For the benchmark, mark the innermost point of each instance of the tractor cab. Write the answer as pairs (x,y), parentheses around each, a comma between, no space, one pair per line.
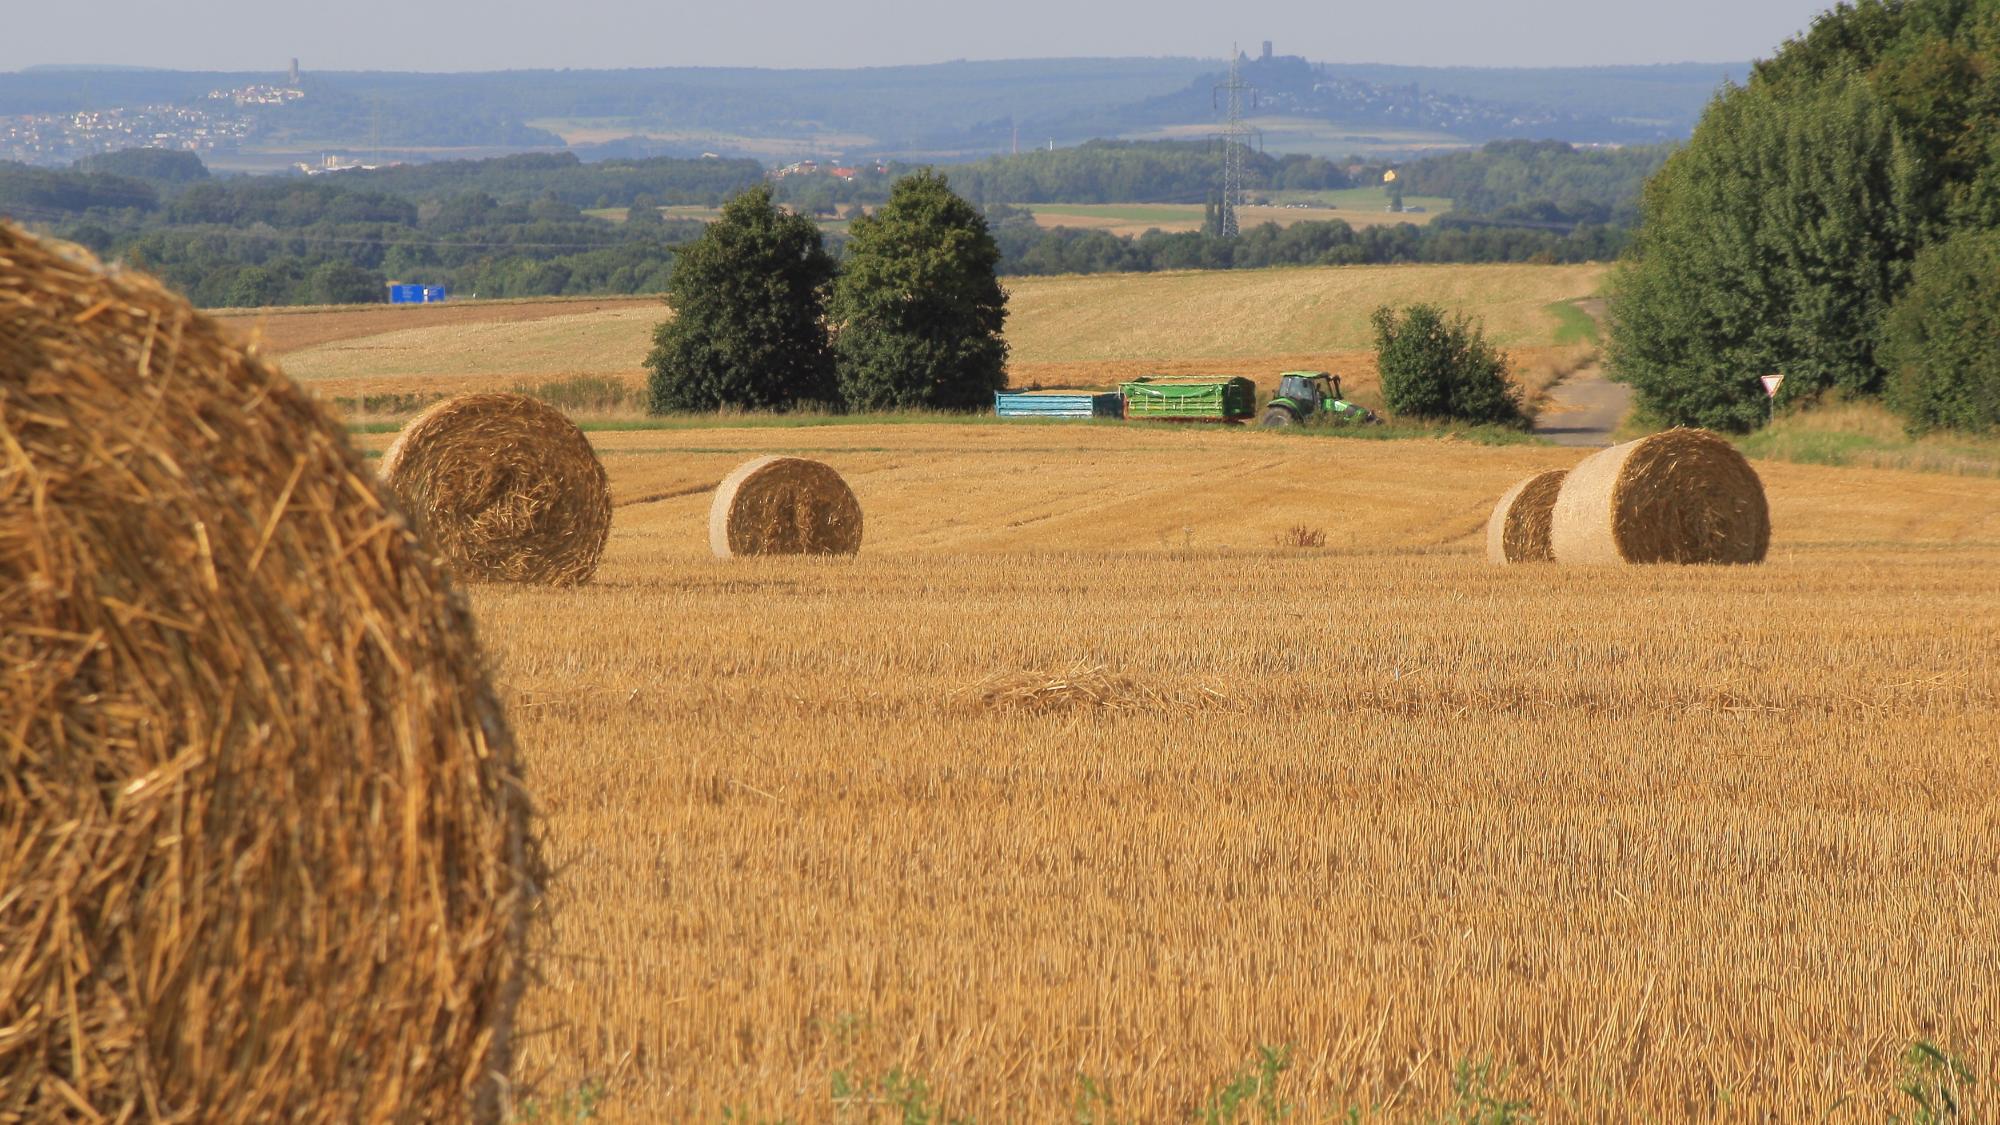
(1308,389)
(1306,395)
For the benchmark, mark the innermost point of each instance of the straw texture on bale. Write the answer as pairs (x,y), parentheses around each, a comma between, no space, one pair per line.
(264,852)
(1683,496)
(784,506)
(1519,529)
(505,487)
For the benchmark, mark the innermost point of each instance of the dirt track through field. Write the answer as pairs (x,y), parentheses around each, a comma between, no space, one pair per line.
(1585,409)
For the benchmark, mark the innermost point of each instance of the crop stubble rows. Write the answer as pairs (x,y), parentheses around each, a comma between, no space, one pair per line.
(1658,841)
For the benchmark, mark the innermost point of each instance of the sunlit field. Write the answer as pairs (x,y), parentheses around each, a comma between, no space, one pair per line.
(1077,797)
(1063,331)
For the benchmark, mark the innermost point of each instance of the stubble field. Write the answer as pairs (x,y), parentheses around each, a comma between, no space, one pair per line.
(1077,797)
(1064,331)
(1073,791)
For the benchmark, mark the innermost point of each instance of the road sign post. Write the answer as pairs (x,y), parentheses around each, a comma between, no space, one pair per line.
(1771,385)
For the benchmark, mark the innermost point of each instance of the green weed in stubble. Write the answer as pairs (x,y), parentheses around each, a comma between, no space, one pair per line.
(578,1103)
(1476,1085)
(1254,1088)
(1935,1083)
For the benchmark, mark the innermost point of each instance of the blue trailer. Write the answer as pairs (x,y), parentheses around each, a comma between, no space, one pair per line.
(1058,404)
(416,294)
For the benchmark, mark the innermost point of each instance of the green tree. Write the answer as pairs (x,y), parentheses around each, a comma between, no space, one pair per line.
(1438,366)
(919,306)
(1773,243)
(749,327)
(644,212)
(339,283)
(1944,371)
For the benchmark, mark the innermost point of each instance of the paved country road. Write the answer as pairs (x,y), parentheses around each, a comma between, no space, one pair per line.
(1584,409)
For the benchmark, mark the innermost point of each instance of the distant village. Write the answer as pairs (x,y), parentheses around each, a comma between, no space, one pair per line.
(220,122)
(815,168)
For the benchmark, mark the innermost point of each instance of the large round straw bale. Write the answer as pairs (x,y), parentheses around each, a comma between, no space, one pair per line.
(505,487)
(784,506)
(264,853)
(1519,528)
(1683,496)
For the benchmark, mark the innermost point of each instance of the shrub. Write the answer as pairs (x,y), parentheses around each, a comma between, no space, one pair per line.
(1434,366)
(1944,372)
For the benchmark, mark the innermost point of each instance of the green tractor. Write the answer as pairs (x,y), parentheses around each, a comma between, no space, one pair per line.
(1305,396)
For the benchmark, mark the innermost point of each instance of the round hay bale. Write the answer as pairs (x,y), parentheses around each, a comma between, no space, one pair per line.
(1683,496)
(264,851)
(505,487)
(784,506)
(1519,529)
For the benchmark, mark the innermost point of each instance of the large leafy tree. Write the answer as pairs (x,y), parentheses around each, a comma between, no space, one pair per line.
(749,327)
(1944,371)
(919,308)
(1778,239)
(1772,244)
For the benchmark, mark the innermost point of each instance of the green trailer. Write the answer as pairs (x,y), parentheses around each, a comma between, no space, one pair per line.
(1190,398)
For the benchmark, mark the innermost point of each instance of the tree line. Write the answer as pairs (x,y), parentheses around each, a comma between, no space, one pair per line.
(1028,249)
(1595,185)
(1140,172)
(515,226)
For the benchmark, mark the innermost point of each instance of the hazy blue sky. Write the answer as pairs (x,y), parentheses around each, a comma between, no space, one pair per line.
(500,34)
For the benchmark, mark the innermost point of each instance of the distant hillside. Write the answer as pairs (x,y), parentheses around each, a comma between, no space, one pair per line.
(945,112)
(1670,97)
(1621,105)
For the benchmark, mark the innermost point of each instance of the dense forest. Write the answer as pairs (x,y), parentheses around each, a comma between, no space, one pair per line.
(1604,184)
(516,225)
(1028,249)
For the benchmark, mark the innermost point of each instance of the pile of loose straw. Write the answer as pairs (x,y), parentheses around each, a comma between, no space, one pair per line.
(264,853)
(504,487)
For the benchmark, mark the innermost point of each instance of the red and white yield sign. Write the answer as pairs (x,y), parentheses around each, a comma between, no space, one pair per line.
(1771,384)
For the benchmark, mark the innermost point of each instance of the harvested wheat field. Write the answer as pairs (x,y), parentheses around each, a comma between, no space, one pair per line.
(1087,331)
(1072,793)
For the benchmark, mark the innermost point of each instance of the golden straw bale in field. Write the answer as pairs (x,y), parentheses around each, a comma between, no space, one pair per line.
(264,853)
(1519,528)
(784,506)
(1683,496)
(505,487)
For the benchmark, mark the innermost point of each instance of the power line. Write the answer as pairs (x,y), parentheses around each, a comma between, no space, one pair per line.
(1235,141)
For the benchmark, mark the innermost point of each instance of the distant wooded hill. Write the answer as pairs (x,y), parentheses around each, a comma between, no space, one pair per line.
(948,111)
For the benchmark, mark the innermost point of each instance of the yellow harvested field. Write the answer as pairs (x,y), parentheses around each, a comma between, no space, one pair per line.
(1093,330)
(1072,775)
(1131,219)
(282,331)
(610,341)
(1229,313)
